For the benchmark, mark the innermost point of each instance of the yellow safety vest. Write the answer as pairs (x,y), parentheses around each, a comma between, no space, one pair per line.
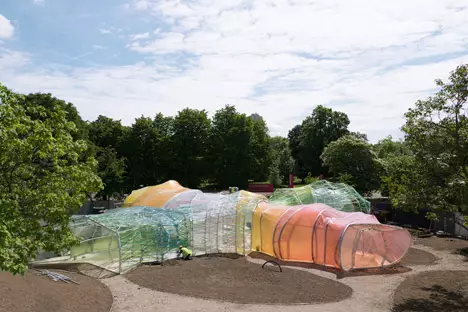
(186,252)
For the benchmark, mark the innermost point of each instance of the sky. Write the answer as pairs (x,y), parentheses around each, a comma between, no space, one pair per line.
(127,58)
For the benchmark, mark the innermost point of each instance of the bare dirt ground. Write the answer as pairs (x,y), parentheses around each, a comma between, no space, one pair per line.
(442,291)
(418,257)
(239,281)
(370,292)
(35,293)
(450,244)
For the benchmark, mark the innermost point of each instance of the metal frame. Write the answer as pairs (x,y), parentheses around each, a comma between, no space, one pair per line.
(372,227)
(313,233)
(276,226)
(281,232)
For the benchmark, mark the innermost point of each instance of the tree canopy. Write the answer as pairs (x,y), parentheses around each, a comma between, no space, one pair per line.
(351,160)
(191,131)
(43,179)
(436,132)
(309,140)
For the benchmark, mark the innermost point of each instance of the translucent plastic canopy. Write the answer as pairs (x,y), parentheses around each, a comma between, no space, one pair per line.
(238,223)
(220,223)
(320,234)
(336,195)
(154,196)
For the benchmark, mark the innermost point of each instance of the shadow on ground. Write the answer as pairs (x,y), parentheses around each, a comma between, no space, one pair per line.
(463,252)
(433,291)
(440,299)
(390,270)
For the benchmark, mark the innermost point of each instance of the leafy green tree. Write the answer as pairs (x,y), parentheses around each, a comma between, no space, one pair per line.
(164,161)
(260,147)
(48,101)
(436,132)
(352,160)
(387,147)
(294,144)
(43,179)
(282,163)
(111,170)
(107,136)
(191,130)
(316,132)
(141,151)
(398,163)
(230,148)
(107,132)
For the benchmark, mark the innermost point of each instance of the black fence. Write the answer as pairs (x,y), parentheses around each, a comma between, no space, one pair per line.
(98,206)
(448,222)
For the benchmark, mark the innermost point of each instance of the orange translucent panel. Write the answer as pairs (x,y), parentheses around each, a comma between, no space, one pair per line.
(154,196)
(319,234)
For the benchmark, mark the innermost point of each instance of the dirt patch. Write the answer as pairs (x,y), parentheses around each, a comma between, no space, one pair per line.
(443,243)
(433,291)
(418,257)
(239,281)
(38,293)
(398,269)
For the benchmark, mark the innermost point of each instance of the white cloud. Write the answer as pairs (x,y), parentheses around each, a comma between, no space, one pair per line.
(6,29)
(105,31)
(145,35)
(38,2)
(110,30)
(279,58)
(99,47)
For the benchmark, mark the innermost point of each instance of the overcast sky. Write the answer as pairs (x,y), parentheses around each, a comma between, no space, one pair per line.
(281,58)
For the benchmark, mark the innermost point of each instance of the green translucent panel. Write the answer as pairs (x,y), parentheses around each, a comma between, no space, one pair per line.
(122,238)
(337,195)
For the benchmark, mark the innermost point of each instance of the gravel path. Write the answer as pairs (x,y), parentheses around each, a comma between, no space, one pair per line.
(370,293)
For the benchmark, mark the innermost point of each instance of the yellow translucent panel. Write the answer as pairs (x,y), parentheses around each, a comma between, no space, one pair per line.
(154,196)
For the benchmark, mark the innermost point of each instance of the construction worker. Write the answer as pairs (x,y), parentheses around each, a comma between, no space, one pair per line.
(186,253)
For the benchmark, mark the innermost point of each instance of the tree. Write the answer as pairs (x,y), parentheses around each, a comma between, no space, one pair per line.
(397,162)
(191,130)
(294,141)
(111,170)
(141,149)
(282,162)
(316,132)
(43,179)
(48,101)
(436,132)
(387,147)
(352,160)
(107,132)
(260,147)
(107,136)
(230,148)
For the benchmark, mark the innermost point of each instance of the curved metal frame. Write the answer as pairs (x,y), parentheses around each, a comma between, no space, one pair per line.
(271,261)
(281,231)
(313,233)
(372,227)
(276,226)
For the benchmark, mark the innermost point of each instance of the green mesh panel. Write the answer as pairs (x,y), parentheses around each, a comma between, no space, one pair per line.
(337,195)
(122,238)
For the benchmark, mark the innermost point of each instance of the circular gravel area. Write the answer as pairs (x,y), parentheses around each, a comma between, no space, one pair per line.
(418,257)
(444,291)
(38,293)
(239,281)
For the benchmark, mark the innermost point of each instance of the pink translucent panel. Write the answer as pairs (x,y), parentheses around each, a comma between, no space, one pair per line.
(319,234)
